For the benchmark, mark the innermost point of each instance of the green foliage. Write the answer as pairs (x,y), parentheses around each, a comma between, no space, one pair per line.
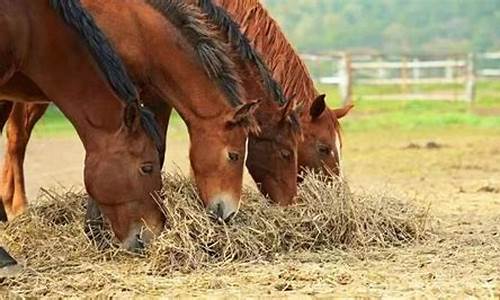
(394,26)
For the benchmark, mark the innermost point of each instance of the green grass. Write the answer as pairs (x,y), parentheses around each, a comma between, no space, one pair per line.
(488,92)
(374,114)
(415,119)
(53,123)
(419,114)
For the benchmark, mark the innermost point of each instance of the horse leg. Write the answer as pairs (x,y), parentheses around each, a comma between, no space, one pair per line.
(21,122)
(5,108)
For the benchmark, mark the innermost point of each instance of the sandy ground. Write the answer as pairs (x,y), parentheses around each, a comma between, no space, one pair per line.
(57,161)
(458,174)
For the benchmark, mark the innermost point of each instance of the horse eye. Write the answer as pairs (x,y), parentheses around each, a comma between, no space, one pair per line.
(325,150)
(233,156)
(286,154)
(147,169)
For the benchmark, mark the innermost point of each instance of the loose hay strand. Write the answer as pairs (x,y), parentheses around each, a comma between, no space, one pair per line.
(328,215)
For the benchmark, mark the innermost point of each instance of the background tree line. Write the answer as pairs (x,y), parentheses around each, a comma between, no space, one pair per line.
(391,26)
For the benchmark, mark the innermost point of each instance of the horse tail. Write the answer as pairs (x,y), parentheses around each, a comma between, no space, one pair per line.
(238,39)
(5,109)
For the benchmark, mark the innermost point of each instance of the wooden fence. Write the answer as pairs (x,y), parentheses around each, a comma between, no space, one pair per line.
(346,70)
(491,67)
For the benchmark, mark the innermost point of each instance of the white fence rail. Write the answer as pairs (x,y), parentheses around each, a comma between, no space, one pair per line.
(346,70)
(488,71)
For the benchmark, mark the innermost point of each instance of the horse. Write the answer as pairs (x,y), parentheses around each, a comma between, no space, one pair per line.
(75,67)
(216,155)
(277,141)
(272,153)
(320,148)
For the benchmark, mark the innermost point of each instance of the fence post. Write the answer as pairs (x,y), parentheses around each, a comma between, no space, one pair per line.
(404,75)
(416,70)
(470,84)
(345,78)
(449,70)
(381,71)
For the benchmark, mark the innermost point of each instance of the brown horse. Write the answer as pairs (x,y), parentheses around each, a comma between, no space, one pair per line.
(321,146)
(119,136)
(170,71)
(272,157)
(272,153)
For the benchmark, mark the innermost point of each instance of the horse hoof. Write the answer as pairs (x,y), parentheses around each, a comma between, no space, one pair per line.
(6,259)
(10,271)
(8,265)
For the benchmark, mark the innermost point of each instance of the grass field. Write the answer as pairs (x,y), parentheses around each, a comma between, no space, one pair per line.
(377,114)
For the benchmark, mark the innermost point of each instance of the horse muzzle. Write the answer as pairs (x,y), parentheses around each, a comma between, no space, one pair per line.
(223,208)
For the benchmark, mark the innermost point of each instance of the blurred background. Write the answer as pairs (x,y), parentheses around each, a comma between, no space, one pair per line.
(391,26)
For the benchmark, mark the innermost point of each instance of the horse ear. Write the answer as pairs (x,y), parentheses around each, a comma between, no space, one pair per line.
(318,107)
(291,113)
(244,117)
(343,111)
(290,107)
(131,116)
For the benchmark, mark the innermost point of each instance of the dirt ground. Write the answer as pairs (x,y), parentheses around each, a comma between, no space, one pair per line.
(456,172)
(57,161)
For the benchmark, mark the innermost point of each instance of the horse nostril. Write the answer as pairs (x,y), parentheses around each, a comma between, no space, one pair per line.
(137,245)
(217,210)
(230,217)
(221,210)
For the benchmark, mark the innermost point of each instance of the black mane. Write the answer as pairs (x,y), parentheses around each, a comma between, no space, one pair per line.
(211,52)
(102,51)
(108,60)
(222,19)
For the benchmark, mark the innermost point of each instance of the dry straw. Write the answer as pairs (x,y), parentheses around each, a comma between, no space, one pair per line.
(328,216)
(51,241)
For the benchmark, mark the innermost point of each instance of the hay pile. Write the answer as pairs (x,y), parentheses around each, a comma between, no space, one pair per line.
(51,241)
(328,216)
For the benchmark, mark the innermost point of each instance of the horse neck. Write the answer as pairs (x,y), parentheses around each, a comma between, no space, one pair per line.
(83,95)
(160,59)
(255,90)
(269,40)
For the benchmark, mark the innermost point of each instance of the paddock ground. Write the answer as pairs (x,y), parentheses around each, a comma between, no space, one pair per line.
(455,170)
